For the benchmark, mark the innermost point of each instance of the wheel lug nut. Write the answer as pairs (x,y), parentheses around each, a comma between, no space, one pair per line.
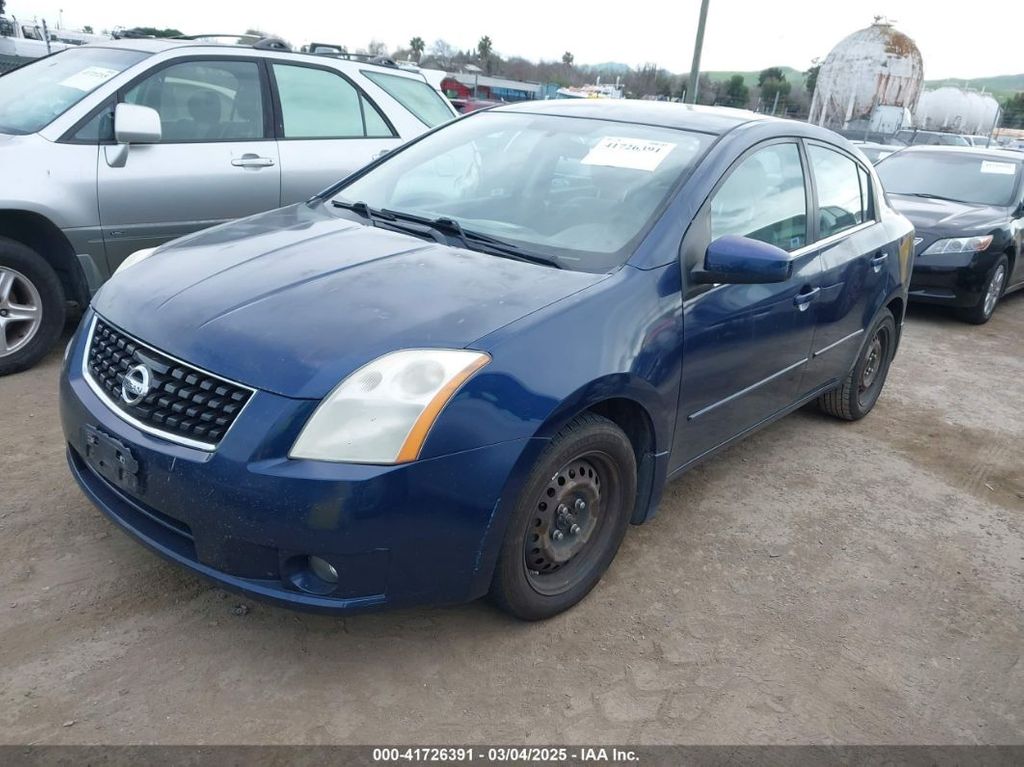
(563,509)
(580,504)
(558,535)
(574,530)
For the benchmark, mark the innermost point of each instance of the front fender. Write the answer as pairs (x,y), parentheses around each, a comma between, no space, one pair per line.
(620,338)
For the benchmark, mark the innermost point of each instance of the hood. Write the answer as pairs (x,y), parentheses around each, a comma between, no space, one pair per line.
(947,218)
(294,300)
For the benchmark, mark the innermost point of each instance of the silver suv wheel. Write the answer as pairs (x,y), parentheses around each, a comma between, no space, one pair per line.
(21,311)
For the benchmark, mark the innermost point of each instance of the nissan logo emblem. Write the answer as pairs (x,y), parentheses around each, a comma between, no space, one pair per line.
(135,385)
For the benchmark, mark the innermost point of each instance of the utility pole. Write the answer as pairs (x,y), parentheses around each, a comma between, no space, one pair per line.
(691,91)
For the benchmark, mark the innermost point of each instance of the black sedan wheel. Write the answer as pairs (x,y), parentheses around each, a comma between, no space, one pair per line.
(569,521)
(859,392)
(981,312)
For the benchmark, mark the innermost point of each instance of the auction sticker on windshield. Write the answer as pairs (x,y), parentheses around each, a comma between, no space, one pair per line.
(88,78)
(632,153)
(1002,168)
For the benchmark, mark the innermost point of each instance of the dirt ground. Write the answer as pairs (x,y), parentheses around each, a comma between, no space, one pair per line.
(821,582)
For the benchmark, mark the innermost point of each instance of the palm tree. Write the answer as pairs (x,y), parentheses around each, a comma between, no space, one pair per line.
(483,48)
(416,45)
(568,59)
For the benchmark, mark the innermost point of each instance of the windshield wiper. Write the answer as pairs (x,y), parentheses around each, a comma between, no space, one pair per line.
(359,207)
(930,196)
(472,240)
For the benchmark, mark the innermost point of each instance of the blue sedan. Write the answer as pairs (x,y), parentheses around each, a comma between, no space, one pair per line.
(468,368)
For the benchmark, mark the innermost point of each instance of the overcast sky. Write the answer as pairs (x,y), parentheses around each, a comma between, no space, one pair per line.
(741,34)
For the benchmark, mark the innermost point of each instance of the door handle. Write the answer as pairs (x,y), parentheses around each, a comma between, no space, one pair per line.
(803,299)
(252,161)
(880,258)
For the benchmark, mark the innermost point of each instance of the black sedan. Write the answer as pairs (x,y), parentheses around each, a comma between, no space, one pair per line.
(967,206)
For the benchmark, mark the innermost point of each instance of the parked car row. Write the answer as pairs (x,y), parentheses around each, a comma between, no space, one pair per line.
(460,370)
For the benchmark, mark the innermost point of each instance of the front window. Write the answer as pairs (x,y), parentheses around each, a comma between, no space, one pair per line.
(953,176)
(204,101)
(36,94)
(763,198)
(578,191)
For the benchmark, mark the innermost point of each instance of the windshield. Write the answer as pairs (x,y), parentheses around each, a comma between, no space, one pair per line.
(577,191)
(38,93)
(962,177)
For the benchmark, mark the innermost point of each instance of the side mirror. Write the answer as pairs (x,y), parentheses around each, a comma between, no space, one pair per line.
(743,261)
(134,124)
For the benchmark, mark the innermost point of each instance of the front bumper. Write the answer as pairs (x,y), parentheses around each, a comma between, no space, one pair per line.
(247,517)
(954,279)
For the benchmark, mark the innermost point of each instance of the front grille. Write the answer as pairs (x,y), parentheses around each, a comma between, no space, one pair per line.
(183,404)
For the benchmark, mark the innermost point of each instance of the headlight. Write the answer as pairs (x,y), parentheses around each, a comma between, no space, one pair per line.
(958,245)
(135,258)
(383,411)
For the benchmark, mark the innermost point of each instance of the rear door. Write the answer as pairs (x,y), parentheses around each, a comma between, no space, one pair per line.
(745,346)
(217,159)
(326,126)
(855,256)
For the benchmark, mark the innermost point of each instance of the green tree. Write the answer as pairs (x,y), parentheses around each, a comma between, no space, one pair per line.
(416,45)
(484,48)
(737,94)
(1013,111)
(771,73)
(772,82)
(377,48)
(811,77)
(568,59)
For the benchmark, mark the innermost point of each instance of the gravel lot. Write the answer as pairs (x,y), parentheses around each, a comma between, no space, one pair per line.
(821,582)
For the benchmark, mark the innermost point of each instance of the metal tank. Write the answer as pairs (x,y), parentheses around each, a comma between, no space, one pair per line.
(957,110)
(870,79)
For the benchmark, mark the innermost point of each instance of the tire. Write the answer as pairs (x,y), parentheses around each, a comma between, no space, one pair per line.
(995,284)
(854,398)
(555,550)
(32,309)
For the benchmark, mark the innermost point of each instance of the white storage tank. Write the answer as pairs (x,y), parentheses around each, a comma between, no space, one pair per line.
(956,110)
(877,66)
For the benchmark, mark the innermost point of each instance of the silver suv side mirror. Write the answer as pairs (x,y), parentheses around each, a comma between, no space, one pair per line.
(134,124)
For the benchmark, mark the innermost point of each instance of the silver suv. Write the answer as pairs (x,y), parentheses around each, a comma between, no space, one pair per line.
(111,148)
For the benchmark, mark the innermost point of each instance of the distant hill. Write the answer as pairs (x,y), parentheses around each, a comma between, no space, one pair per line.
(1000,86)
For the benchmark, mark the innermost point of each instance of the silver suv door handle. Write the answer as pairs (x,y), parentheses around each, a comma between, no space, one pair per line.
(252,161)
(878,260)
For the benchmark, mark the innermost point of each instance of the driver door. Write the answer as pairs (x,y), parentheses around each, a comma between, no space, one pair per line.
(217,159)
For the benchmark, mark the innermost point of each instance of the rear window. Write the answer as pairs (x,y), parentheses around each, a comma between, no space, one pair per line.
(415,95)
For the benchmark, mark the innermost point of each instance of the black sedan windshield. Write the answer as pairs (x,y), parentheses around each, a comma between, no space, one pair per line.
(967,177)
(36,94)
(577,191)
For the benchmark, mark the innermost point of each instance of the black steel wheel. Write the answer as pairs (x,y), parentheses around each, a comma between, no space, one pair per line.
(857,395)
(569,520)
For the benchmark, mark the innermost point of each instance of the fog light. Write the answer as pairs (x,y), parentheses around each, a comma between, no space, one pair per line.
(323,570)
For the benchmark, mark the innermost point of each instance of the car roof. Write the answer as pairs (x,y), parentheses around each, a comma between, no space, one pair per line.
(664,114)
(978,151)
(154,45)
